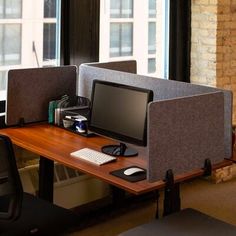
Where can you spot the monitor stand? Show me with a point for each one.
(119, 150)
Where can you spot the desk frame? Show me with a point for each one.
(46, 174)
(44, 140)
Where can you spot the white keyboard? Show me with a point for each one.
(93, 156)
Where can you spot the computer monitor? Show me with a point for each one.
(119, 111)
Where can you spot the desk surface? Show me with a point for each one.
(57, 143)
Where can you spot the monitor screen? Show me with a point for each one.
(119, 111)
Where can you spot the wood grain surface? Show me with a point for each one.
(56, 143)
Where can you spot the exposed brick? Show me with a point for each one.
(213, 51)
(209, 9)
(224, 2)
(203, 2)
(213, 2)
(223, 17)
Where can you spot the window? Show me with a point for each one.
(121, 32)
(121, 9)
(49, 41)
(121, 39)
(50, 8)
(152, 37)
(152, 8)
(51, 33)
(10, 44)
(3, 75)
(151, 65)
(135, 30)
(28, 35)
(10, 9)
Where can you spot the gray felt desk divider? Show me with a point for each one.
(125, 66)
(30, 90)
(201, 115)
(183, 132)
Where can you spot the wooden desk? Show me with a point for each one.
(55, 144)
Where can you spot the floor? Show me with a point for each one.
(217, 200)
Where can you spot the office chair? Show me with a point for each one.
(187, 222)
(22, 213)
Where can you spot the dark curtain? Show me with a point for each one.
(79, 31)
(180, 35)
(65, 33)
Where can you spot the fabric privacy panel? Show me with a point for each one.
(30, 90)
(162, 89)
(125, 66)
(183, 132)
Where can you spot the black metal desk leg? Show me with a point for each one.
(157, 195)
(118, 196)
(172, 195)
(46, 173)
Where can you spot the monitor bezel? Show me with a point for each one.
(114, 135)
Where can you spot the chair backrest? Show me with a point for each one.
(11, 191)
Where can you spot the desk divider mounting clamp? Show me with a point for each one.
(207, 167)
(172, 202)
(157, 195)
(171, 195)
(21, 122)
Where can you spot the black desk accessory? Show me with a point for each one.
(71, 114)
(131, 178)
(86, 134)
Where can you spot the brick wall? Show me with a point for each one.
(203, 47)
(213, 48)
